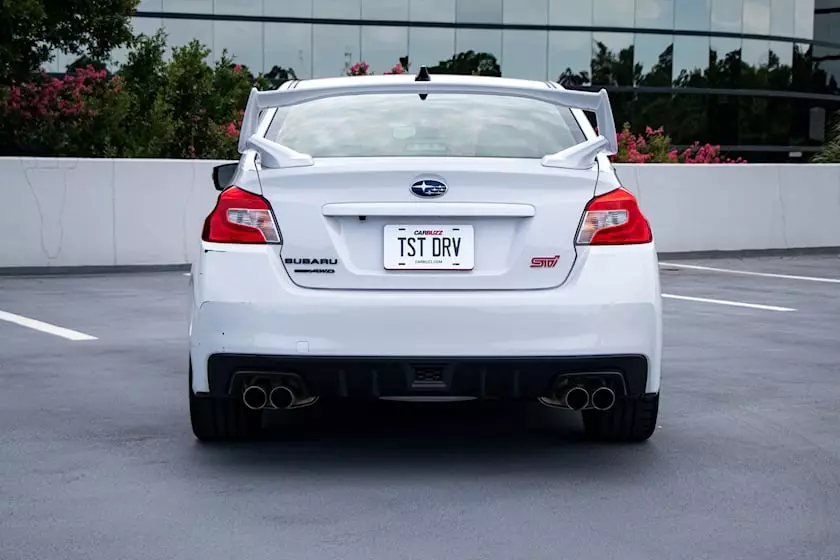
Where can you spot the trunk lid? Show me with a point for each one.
(366, 223)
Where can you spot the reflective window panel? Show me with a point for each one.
(487, 41)
(724, 62)
(431, 10)
(479, 11)
(655, 14)
(755, 53)
(396, 10)
(534, 12)
(691, 61)
(288, 8)
(238, 7)
(727, 15)
(382, 47)
(694, 15)
(654, 58)
(182, 31)
(150, 6)
(569, 57)
(612, 59)
(613, 13)
(782, 17)
(243, 41)
(803, 67)
(826, 69)
(525, 54)
(429, 46)
(569, 12)
(288, 46)
(803, 19)
(188, 6)
(144, 25)
(335, 48)
(757, 17)
(337, 9)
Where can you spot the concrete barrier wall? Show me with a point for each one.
(88, 212)
(85, 212)
(738, 207)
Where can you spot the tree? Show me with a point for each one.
(31, 29)
(278, 75)
(85, 61)
(469, 62)
(151, 118)
(571, 79)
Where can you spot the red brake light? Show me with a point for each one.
(614, 218)
(241, 217)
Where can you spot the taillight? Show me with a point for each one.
(614, 218)
(241, 217)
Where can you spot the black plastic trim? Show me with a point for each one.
(374, 376)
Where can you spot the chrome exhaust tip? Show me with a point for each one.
(603, 398)
(576, 398)
(281, 397)
(254, 397)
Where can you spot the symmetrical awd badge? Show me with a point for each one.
(428, 188)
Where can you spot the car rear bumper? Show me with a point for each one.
(373, 377)
(248, 314)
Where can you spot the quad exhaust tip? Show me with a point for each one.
(603, 398)
(255, 397)
(580, 398)
(281, 397)
(576, 398)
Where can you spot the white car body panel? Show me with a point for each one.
(245, 303)
(504, 244)
(596, 301)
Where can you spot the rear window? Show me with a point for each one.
(456, 125)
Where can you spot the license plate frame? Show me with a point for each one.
(447, 248)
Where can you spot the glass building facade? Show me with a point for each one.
(759, 77)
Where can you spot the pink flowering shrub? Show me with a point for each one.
(73, 116)
(397, 69)
(154, 108)
(362, 68)
(654, 146)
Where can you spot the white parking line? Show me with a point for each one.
(45, 327)
(750, 273)
(730, 303)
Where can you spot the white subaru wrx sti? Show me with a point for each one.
(425, 236)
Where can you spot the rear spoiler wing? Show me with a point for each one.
(580, 156)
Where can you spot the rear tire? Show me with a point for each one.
(222, 419)
(629, 420)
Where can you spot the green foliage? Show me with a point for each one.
(278, 75)
(31, 29)
(830, 153)
(654, 146)
(150, 118)
(76, 116)
(152, 108)
(469, 62)
(184, 108)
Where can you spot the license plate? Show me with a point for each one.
(429, 247)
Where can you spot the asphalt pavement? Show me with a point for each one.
(97, 460)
